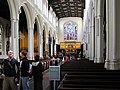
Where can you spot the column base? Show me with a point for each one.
(41, 54)
(112, 64)
(99, 60)
(41, 50)
(91, 58)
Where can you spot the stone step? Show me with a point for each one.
(100, 77)
(91, 82)
(91, 86)
(62, 88)
(92, 72)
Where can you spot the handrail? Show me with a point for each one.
(62, 81)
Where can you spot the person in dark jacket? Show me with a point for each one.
(10, 72)
(24, 71)
(37, 70)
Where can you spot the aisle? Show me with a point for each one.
(45, 81)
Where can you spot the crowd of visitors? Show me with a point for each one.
(14, 72)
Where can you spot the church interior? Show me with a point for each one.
(83, 34)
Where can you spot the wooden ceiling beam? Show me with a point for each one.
(68, 8)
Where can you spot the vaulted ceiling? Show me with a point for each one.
(68, 8)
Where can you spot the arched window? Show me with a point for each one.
(70, 31)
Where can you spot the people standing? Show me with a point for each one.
(37, 70)
(10, 72)
(24, 71)
(66, 58)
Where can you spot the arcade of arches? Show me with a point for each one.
(39, 28)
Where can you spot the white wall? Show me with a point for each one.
(77, 20)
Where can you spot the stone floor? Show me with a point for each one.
(45, 81)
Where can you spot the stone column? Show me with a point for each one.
(96, 25)
(55, 47)
(30, 43)
(4, 40)
(15, 38)
(52, 46)
(46, 43)
(117, 35)
(91, 43)
(87, 40)
(99, 38)
(87, 44)
(93, 37)
(112, 61)
(90, 34)
(107, 61)
(40, 45)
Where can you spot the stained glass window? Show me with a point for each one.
(70, 31)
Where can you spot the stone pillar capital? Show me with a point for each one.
(14, 20)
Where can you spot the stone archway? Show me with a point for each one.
(36, 37)
(38, 22)
(30, 27)
(44, 39)
(54, 44)
(49, 43)
(5, 28)
(23, 31)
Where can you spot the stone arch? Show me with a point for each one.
(44, 34)
(12, 9)
(39, 23)
(27, 8)
(37, 32)
(38, 36)
(5, 24)
(55, 33)
(46, 28)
